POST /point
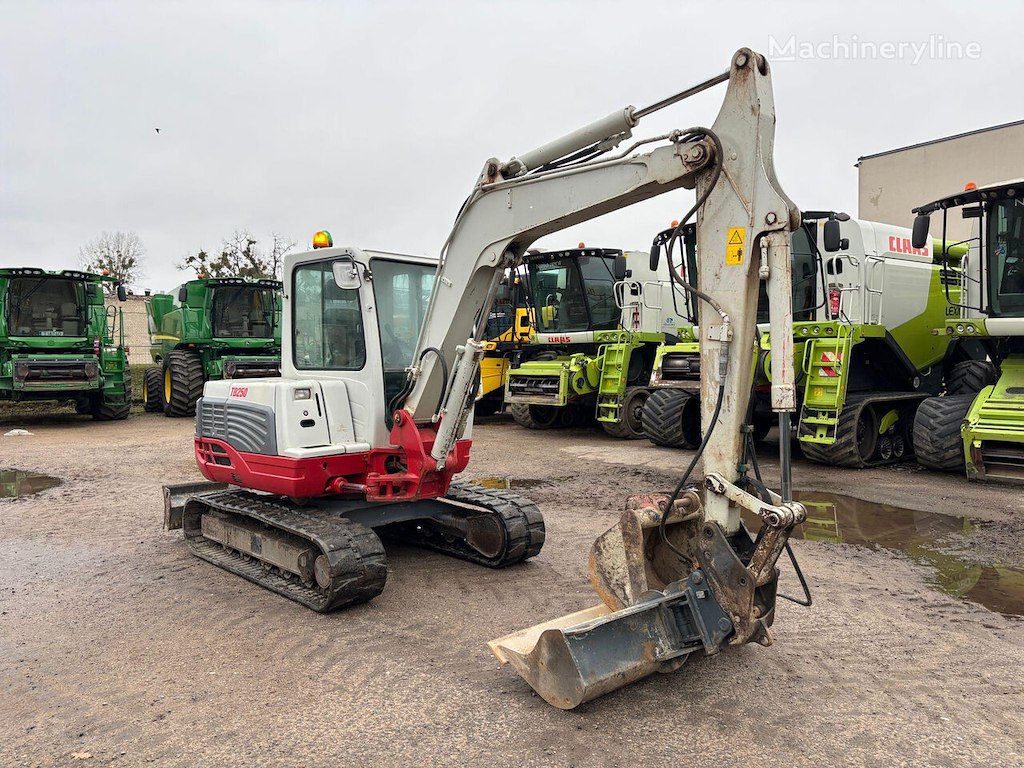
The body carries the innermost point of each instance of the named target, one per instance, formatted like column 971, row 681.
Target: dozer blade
column 657, row 609
column 589, row 653
column 175, row 497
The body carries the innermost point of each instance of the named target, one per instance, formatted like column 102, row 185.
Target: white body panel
column 645, row 297
column 883, row 279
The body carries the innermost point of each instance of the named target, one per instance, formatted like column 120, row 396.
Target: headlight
column 21, row 371
column 959, row 327
column 91, row 370
column 229, row 369
column 304, row 393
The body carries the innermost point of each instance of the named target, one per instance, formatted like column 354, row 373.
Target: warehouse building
column 891, row 184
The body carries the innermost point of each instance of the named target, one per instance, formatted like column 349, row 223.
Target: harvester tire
column 153, row 390
column 536, row 416
column 183, row 383
column 969, row 377
column 630, row 426
column 106, row 411
column 671, row 418
column 937, row 441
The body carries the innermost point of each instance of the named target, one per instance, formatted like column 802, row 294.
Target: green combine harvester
column 213, row 328
column 59, row 341
column 866, row 304
column 979, row 424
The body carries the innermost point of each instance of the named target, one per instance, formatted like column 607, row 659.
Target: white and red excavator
column 372, row 416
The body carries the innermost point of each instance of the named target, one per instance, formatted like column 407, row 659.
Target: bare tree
column 241, row 256
column 118, row 254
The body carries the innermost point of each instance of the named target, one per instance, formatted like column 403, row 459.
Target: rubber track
column 663, row 419
column 844, row 452
column 522, row 415
column 359, row 570
column 154, row 386
column 937, row 441
column 521, row 518
column 970, row 377
column 186, row 369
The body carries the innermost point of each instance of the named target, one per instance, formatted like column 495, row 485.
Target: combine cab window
column 46, row 306
column 327, row 323
column 805, row 275
column 1006, row 246
column 574, row 294
column 804, row 280
column 243, row 312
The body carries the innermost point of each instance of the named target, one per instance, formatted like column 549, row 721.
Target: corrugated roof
column 938, row 141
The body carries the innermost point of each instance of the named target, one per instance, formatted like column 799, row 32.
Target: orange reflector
column 582, row 245
column 323, row 239
column 969, row 186
column 675, row 224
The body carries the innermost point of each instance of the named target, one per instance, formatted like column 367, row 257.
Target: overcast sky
column 373, row 119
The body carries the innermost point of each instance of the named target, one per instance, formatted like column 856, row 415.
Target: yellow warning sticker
column 735, row 245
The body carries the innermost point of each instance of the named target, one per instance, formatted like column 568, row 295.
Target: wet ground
column 117, row 647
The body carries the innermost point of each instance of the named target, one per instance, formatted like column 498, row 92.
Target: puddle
column 922, row 536
column 514, row 483
column 15, row 483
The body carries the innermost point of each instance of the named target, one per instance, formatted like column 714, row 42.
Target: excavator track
column 519, row 520
column 321, row 560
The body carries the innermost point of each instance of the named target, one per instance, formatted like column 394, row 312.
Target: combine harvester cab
column 59, row 341
column 211, row 329
column 600, row 316
column 979, row 422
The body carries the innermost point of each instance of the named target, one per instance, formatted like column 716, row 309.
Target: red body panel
column 382, row 474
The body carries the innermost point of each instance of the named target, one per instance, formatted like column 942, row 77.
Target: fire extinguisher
column 834, row 296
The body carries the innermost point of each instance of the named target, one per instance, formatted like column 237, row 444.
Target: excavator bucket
column 658, row 608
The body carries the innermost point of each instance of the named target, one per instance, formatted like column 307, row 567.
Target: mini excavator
column 372, row 416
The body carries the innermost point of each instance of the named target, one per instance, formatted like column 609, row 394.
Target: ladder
column 612, row 384
column 825, row 364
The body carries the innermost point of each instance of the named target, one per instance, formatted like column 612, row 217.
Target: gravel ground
column 118, row 647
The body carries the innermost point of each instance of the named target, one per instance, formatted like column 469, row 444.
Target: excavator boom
column 680, row 573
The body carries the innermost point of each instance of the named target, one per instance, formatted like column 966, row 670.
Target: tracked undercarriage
column 326, row 554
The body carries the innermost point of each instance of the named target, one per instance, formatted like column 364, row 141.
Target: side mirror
column 655, row 257
column 919, row 238
column 346, row 275
column 183, row 294
column 122, row 292
column 619, row 271
column 831, row 237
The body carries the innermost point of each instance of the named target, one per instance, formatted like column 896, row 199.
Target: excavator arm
column 680, row 573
